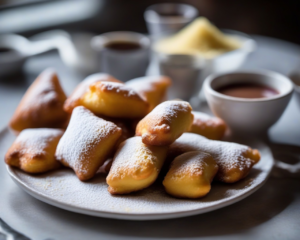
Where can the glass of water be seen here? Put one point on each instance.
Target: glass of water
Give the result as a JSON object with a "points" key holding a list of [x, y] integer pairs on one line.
{"points": [[165, 19]]}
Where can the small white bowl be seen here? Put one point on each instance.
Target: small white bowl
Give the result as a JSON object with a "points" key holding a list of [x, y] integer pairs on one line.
{"points": [[123, 65], [244, 115]]}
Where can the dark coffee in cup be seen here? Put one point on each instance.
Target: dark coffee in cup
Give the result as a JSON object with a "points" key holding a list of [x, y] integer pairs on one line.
{"points": [[4, 50], [124, 55], [123, 46]]}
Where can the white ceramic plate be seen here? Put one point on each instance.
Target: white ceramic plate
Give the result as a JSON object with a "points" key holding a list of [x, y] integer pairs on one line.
{"points": [[63, 189]]}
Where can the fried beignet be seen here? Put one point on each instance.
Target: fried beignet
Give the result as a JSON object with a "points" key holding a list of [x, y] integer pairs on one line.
{"points": [[33, 150], [152, 88], [114, 100], [234, 160], [135, 166], [87, 143], [42, 104], [165, 123], [190, 175], [210, 127], [74, 99]]}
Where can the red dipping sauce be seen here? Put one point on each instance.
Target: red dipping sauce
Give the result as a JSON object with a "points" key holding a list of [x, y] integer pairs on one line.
{"points": [[248, 90]]}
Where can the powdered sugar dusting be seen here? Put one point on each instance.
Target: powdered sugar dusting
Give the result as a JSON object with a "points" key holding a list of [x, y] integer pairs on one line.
{"points": [[84, 133], [132, 156], [189, 163], [37, 140], [168, 111], [118, 88]]}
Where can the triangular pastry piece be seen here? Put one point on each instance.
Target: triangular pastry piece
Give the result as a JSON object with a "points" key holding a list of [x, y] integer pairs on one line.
{"points": [[42, 104], [33, 150]]}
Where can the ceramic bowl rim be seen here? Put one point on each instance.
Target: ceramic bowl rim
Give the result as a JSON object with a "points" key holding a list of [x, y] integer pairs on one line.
{"points": [[103, 38]]}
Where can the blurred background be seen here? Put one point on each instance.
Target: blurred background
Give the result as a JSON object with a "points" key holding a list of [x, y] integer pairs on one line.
{"points": [[276, 18], [70, 53]]}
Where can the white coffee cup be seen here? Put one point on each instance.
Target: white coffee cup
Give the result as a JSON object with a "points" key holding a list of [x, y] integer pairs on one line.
{"points": [[122, 64]]}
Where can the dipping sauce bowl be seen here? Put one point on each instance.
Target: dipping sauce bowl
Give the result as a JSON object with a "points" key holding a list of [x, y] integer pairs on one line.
{"points": [[248, 115]]}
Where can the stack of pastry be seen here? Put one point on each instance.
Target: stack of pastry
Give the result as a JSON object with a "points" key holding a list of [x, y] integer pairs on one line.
{"points": [[129, 130]]}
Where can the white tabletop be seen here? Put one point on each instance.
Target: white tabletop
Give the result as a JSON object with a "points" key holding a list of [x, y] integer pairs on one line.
{"points": [[273, 212]]}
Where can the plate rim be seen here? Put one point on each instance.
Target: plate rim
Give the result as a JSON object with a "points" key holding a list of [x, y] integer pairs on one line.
{"points": [[137, 216]]}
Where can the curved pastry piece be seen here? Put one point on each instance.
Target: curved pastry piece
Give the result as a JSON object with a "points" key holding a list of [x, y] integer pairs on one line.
{"points": [[33, 150], [210, 127], [135, 166], [234, 160], [190, 175], [165, 123], [114, 100], [42, 104], [87, 143], [74, 99], [152, 88]]}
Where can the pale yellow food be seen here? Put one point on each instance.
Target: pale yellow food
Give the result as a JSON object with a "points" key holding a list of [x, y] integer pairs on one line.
{"points": [[210, 127], [42, 104], [135, 166], [152, 88], [74, 99], [114, 100], [33, 150], [198, 38], [190, 175], [87, 143], [165, 123], [234, 160]]}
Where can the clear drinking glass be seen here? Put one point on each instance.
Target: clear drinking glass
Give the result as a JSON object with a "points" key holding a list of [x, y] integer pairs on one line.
{"points": [[168, 18], [185, 71]]}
